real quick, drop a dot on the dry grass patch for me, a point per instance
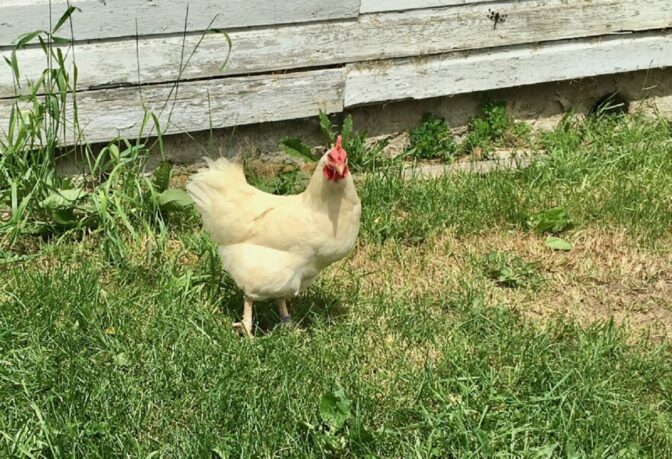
(605, 276)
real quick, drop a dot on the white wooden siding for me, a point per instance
(376, 6)
(106, 114)
(117, 18)
(328, 54)
(377, 36)
(455, 74)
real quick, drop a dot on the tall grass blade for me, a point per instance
(68, 12)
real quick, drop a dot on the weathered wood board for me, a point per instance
(376, 6)
(463, 73)
(117, 18)
(375, 36)
(106, 114)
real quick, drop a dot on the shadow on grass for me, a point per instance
(314, 305)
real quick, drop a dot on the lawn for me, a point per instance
(453, 330)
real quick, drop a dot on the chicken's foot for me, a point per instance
(245, 326)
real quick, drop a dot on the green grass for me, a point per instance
(133, 355)
(174, 379)
(606, 172)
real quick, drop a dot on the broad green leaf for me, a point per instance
(75, 76)
(60, 40)
(555, 220)
(114, 152)
(556, 243)
(335, 409)
(59, 199)
(14, 65)
(60, 59)
(145, 122)
(346, 131)
(64, 217)
(43, 45)
(228, 42)
(121, 360)
(159, 134)
(296, 149)
(9, 257)
(174, 198)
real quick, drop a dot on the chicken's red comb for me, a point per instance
(338, 153)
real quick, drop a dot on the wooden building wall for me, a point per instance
(290, 58)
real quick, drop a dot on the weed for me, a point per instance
(555, 243)
(509, 270)
(553, 220)
(612, 104)
(295, 148)
(362, 155)
(494, 127)
(113, 196)
(567, 135)
(431, 140)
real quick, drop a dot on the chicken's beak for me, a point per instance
(340, 168)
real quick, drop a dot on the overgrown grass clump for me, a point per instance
(114, 196)
(509, 270)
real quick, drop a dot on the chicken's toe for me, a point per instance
(287, 321)
(243, 329)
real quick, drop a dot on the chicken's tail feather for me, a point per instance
(213, 180)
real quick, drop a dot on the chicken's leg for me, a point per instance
(284, 313)
(246, 325)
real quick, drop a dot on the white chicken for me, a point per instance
(275, 246)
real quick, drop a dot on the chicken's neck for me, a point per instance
(321, 189)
